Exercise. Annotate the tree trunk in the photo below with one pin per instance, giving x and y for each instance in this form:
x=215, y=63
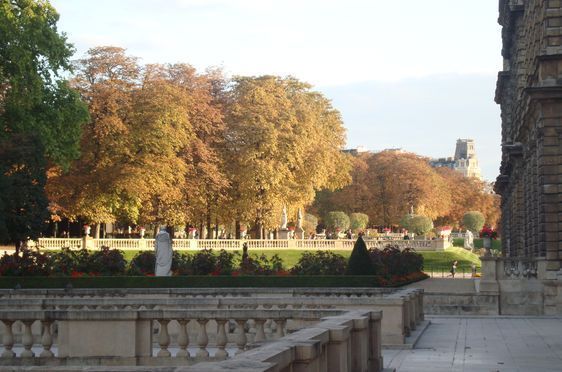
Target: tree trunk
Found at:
x=209, y=230
x=98, y=229
x=237, y=229
x=217, y=227
x=170, y=230
x=259, y=230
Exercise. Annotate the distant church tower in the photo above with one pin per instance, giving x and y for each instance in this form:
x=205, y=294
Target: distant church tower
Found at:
x=466, y=161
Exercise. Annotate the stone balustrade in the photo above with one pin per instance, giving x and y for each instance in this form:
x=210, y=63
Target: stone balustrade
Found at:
x=513, y=268
x=342, y=343
x=402, y=309
x=236, y=244
x=332, y=340
x=125, y=336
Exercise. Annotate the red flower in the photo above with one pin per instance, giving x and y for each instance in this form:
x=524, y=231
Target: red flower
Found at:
x=147, y=274
x=76, y=274
x=488, y=232
x=235, y=273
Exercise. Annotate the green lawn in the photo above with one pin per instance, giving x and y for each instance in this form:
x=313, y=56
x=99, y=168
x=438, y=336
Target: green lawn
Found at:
x=435, y=261
x=496, y=244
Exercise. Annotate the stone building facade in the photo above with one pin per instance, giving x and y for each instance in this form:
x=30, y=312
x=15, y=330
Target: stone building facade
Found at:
x=465, y=160
x=529, y=91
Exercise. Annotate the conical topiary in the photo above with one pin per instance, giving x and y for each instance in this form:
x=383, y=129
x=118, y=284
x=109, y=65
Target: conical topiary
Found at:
x=359, y=262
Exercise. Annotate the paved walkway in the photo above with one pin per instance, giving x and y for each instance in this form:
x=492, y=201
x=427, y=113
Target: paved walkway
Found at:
x=514, y=344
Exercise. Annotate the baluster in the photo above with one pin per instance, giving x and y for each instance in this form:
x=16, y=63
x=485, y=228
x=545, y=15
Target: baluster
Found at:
x=202, y=339
x=8, y=340
x=260, y=334
x=46, y=340
x=164, y=339
x=268, y=326
x=183, y=339
x=241, y=339
x=280, y=327
x=27, y=340
x=221, y=340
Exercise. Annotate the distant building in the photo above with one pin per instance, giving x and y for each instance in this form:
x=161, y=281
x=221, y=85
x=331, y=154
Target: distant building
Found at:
x=355, y=151
x=443, y=162
x=465, y=160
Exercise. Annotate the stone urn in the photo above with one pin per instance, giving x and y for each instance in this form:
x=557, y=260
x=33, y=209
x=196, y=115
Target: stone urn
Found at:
x=487, y=244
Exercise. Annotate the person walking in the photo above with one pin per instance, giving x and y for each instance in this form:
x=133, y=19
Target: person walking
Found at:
x=454, y=268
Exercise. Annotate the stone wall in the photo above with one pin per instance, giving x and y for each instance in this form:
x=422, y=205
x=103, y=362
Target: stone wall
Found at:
x=529, y=90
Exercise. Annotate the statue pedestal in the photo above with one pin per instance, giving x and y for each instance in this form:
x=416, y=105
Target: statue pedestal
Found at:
x=299, y=233
x=283, y=234
x=88, y=242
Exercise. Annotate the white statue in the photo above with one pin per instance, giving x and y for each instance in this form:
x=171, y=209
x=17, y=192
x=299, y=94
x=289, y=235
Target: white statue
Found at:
x=468, y=240
x=163, y=252
x=299, y=219
x=284, y=218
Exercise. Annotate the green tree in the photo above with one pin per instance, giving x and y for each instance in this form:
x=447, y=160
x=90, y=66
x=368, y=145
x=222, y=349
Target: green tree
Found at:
x=358, y=221
x=24, y=200
x=473, y=221
x=337, y=221
x=359, y=261
x=420, y=225
x=310, y=222
x=37, y=107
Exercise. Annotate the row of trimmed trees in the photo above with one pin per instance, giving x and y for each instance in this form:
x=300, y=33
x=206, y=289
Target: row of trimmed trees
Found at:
x=167, y=144
x=387, y=185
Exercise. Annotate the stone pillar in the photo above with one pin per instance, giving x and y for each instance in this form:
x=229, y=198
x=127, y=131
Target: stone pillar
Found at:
x=549, y=153
x=489, y=280
x=375, y=342
x=360, y=344
x=307, y=356
x=337, y=349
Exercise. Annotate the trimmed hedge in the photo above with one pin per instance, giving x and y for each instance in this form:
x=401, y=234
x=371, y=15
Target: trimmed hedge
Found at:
x=37, y=282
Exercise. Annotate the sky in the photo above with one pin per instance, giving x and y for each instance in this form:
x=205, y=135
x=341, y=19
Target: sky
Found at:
x=407, y=74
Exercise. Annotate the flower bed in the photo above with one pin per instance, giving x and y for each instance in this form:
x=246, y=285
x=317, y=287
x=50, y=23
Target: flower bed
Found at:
x=93, y=268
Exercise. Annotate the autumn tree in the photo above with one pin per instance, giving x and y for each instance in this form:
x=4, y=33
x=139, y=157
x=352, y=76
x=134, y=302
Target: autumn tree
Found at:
x=283, y=144
x=161, y=131
x=387, y=185
x=467, y=194
x=399, y=181
x=105, y=79
x=206, y=180
x=39, y=112
x=356, y=197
